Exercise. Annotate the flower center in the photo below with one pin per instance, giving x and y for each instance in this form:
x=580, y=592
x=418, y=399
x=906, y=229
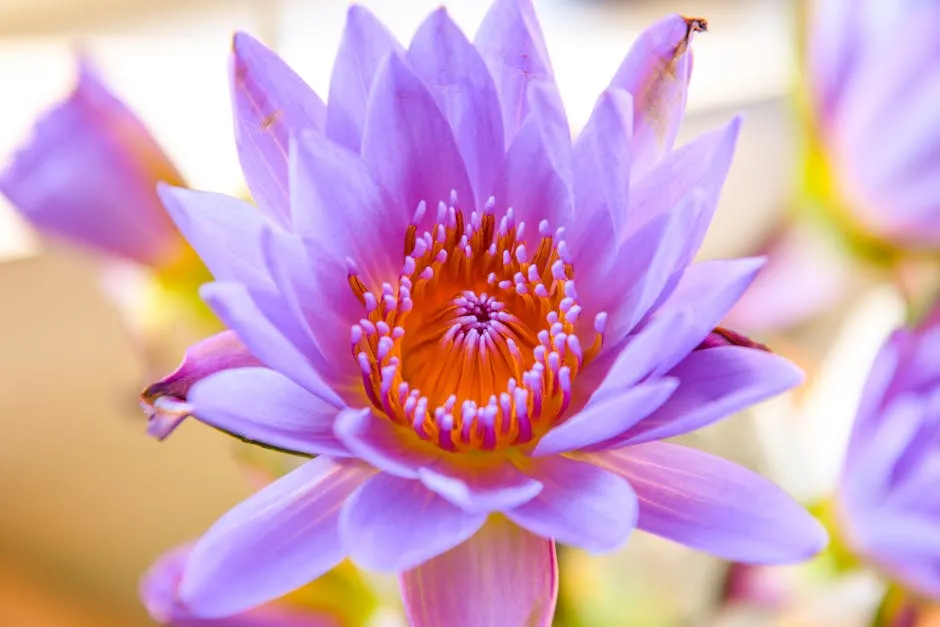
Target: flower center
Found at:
x=475, y=348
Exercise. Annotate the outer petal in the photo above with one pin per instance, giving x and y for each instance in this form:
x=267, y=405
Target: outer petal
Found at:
x=226, y=232
x=713, y=505
x=479, y=488
x=383, y=444
x=579, y=505
x=391, y=524
x=264, y=406
x=271, y=104
x=365, y=44
x=408, y=143
x=464, y=90
x=503, y=575
x=657, y=71
x=89, y=174
x=607, y=418
x=277, y=540
x=222, y=351
x=713, y=384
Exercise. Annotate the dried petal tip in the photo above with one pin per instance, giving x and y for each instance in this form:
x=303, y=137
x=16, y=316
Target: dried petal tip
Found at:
x=695, y=25
x=721, y=336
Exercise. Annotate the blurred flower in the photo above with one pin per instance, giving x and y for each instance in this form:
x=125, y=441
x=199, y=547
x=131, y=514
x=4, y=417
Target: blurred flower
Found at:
x=409, y=284
x=339, y=599
x=90, y=175
x=874, y=74
x=888, y=504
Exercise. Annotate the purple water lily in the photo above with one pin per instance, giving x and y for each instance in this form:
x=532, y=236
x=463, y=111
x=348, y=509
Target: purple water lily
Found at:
x=871, y=61
x=888, y=499
x=90, y=175
x=480, y=328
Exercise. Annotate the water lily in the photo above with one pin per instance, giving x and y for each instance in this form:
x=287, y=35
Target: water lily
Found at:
x=869, y=62
x=479, y=328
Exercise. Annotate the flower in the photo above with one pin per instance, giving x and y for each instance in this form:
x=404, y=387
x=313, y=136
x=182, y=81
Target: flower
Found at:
x=159, y=591
x=887, y=503
x=480, y=328
x=873, y=103
x=90, y=174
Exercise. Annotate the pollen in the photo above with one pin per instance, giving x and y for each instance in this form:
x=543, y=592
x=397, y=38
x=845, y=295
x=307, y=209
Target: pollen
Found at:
x=476, y=346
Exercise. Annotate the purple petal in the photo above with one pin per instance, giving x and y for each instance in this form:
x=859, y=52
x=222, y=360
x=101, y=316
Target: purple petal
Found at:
x=365, y=44
x=579, y=505
x=218, y=352
x=271, y=103
x=606, y=418
x=275, y=541
x=260, y=320
x=341, y=211
x=476, y=488
x=714, y=384
x=408, y=143
x=511, y=43
x=712, y=505
x=392, y=524
x=224, y=231
x=159, y=586
x=89, y=174
x=501, y=576
x=656, y=72
x=464, y=90
x=264, y=406
x=385, y=445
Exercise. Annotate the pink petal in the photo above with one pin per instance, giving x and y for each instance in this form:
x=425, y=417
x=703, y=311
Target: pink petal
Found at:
x=656, y=72
x=464, y=90
x=712, y=505
x=479, y=488
x=270, y=104
x=222, y=351
x=392, y=524
x=284, y=536
x=365, y=44
x=579, y=505
x=503, y=575
x=408, y=144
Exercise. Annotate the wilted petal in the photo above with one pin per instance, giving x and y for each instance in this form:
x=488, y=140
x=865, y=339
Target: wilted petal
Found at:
x=89, y=174
x=392, y=524
x=479, y=488
x=222, y=351
x=365, y=44
x=712, y=505
x=464, y=90
x=271, y=103
x=503, y=575
x=260, y=405
x=275, y=541
x=656, y=72
x=579, y=505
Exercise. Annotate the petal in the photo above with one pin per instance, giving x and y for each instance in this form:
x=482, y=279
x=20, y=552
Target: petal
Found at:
x=259, y=320
x=713, y=384
x=159, y=585
x=656, y=72
x=89, y=174
x=218, y=352
x=341, y=211
x=712, y=505
x=275, y=541
x=606, y=418
x=479, y=488
x=365, y=44
x=503, y=575
x=464, y=90
x=271, y=103
x=392, y=524
x=579, y=505
x=408, y=143
x=260, y=405
x=224, y=231
x=511, y=43
x=385, y=445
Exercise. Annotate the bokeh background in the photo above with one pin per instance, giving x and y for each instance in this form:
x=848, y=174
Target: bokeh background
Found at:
x=87, y=501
